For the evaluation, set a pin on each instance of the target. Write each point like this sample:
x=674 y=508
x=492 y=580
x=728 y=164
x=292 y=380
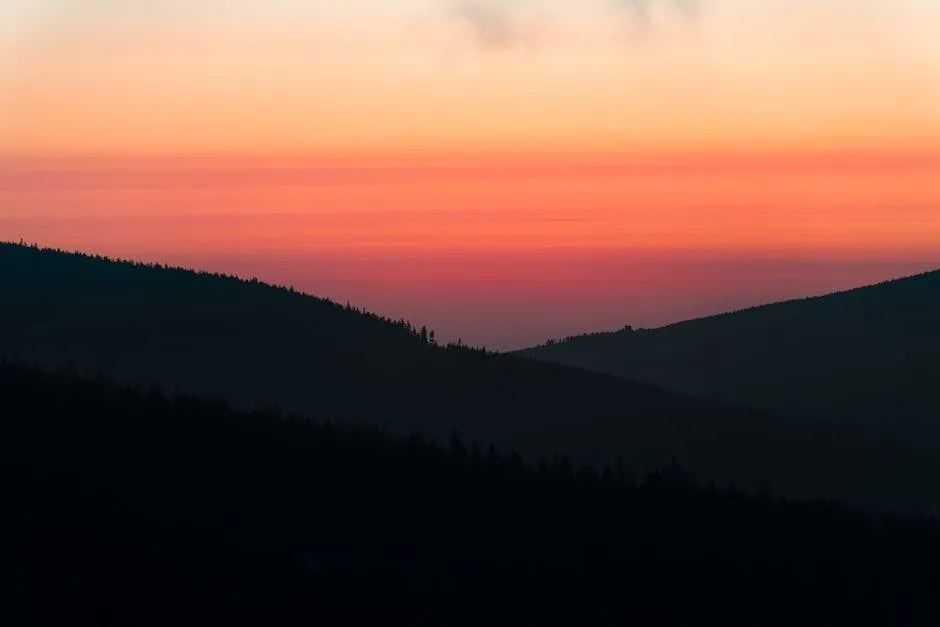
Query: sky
x=501 y=170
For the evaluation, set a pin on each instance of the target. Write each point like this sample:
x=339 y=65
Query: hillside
x=126 y=507
x=867 y=354
x=254 y=344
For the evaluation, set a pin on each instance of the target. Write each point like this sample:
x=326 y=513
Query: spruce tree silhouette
x=126 y=506
x=252 y=343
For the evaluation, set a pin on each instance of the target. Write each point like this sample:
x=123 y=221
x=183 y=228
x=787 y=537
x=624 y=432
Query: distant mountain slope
x=252 y=343
x=870 y=353
x=123 y=507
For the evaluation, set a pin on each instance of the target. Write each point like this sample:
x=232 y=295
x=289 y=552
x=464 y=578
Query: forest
x=128 y=505
x=255 y=344
x=868 y=355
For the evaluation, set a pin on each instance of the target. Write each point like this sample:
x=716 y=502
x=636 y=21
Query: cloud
x=491 y=24
x=641 y=16
x=504 y=25
x=642 y=8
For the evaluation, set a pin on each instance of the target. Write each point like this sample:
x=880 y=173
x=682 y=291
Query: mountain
x=254 y=344
x=128 y=507
x=870 y=354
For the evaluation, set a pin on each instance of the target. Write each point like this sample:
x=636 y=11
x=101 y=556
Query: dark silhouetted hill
x=869 y=354
x=255 y=344
x=127 y=507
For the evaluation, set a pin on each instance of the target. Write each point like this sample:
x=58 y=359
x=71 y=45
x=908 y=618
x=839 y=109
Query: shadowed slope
x=871 y=353
x=130 y=508
x=252 y=344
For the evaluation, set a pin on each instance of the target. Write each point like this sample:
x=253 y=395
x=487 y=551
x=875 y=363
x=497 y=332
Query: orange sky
x=489 y=146
x=836 y=202
x=144 y=76
x=498 y=250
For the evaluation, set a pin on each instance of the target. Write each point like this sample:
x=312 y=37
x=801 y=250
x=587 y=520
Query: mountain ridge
x=131 y=507
x=850 y=341
x=253 y=344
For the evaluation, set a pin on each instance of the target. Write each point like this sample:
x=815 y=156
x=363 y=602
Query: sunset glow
x=448 y=161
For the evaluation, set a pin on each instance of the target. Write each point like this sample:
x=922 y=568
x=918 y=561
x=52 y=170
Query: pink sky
x=505 y=252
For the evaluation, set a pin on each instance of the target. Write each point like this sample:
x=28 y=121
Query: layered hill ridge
x=866 y=354
x=253 y=343
x=129 y=507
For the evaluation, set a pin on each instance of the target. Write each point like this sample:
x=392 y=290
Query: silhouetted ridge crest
x=20 y=253
x=867 y=354
x=254 y=344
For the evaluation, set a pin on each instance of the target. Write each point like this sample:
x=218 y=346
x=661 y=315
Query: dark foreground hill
x=253 y=344
x=130 y=508
x=868 y=354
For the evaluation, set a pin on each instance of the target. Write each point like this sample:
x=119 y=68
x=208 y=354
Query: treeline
x=597 y=334
x=128 y=507
x=252 y=343
x=783 y=308
x=116 y=269
x=866 y=357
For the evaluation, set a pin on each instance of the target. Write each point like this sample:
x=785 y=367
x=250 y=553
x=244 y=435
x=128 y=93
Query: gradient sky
x=501 y=170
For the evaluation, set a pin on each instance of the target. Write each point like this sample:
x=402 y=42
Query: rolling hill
x=870 y=354
x=255 y=344
x=130 y=507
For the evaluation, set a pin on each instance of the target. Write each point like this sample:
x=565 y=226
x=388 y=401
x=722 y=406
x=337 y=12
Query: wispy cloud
x=643 y=7
x=640 y=15
x=501 y=25
x=491 y=24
